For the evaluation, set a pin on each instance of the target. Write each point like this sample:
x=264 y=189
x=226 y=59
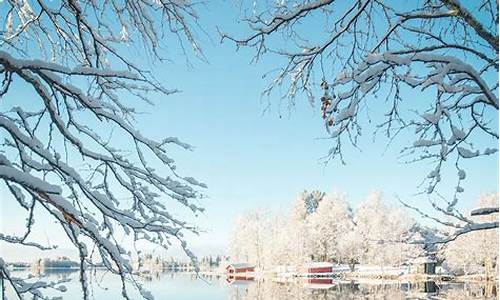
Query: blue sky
x=252 y=157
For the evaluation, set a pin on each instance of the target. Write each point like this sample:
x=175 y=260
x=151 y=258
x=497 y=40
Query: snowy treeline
x=324 y=227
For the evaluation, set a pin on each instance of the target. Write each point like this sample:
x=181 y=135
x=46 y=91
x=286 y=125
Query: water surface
x=186 y=286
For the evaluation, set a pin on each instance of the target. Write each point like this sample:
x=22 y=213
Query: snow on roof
x=318 y=286
x=319 y=265
x=240 y=265
x=423 y=259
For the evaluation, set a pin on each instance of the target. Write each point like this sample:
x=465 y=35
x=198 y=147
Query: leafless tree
x=366 y=55
x=60 y=148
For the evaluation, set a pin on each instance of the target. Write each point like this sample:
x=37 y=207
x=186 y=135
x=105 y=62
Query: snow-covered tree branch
x=62 y=147
x=428 y=69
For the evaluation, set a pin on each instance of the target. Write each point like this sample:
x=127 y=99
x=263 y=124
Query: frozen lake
x=186 y=286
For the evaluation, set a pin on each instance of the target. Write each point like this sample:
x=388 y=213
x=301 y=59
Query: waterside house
x=318 y=268
x=240 y=268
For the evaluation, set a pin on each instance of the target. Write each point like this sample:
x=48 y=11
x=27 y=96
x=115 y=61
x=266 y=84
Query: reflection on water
x=329 y=288
x=178 y=286
x=55 y=274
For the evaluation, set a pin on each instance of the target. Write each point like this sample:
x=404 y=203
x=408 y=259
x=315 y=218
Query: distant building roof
x=423 y=260
x=319 y=265
x=240 y=265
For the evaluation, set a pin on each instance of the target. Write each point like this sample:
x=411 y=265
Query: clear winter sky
x=251 y=157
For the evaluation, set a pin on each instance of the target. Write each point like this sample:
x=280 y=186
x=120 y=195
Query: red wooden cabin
x=240 y=268
x=319 y=267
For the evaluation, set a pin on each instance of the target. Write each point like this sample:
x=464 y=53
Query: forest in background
x=322 y=227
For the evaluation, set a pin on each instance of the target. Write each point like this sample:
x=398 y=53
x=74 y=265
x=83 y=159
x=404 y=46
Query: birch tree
x=250 y=238
x=302 y=209
x=60 y=148
x=426 y=69
x=278 y=250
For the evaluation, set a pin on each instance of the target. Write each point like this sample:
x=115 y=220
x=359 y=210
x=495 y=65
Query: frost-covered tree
x=238 y=241
x=427 y=69
x=382 y=231
x=327 y=227
x=306 y=204
x=69 y=142
x=250 y=238
x=350 y=248
x=278 y=244
x=475 y=252
x=300 y=242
